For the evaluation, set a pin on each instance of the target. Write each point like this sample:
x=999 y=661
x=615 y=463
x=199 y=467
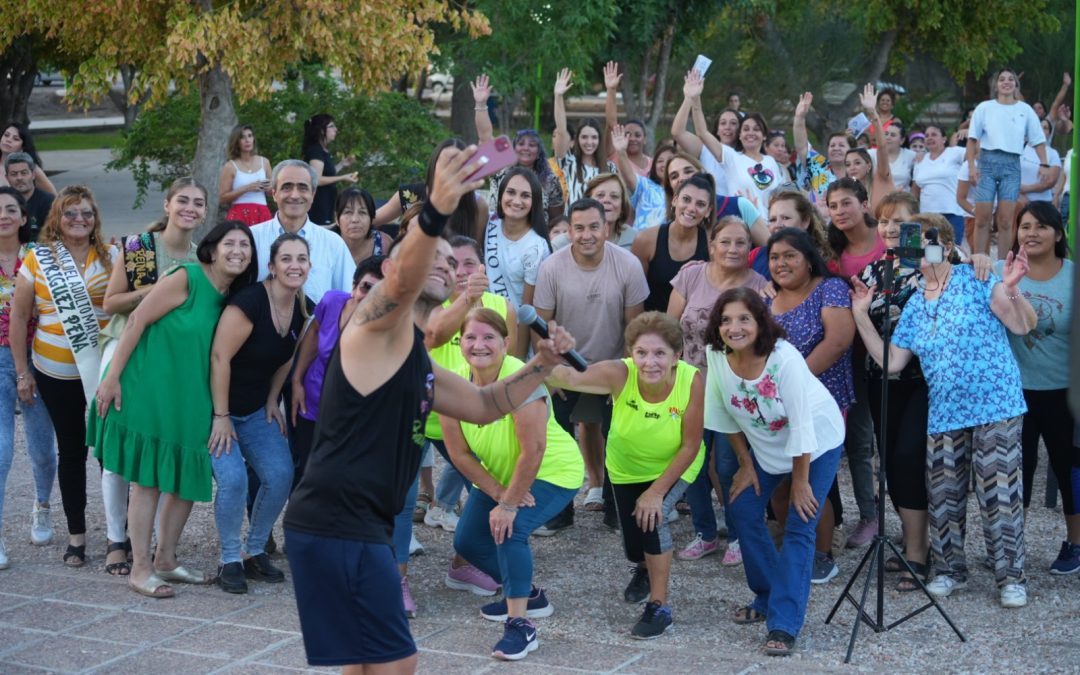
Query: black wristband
x=431 y=221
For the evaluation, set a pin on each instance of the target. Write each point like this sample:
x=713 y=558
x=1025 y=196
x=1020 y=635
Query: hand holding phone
x=494 y=155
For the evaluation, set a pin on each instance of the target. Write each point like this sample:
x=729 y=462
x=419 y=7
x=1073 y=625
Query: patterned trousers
x=993 y=451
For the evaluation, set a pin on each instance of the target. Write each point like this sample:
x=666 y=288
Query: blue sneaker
x=536 y=608
x=519 y=638
x=653 y=622
x=1068 y=561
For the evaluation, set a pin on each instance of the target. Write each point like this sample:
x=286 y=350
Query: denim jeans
x=261 y=445
x=38 y=428
x=781 y=581
x=509 y=563
x=999 y=176
x=403 y=523
x=699 y=494
x=451 y=482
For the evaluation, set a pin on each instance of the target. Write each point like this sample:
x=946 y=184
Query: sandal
x=781 y=643
x=117 y=569
x=75 y=556
x=683 y=507
x=423 y=503
x=183 y=575
x=154 y=587
x=908 y=584
x=748 y=614
x=893 y=564
x=594 y=499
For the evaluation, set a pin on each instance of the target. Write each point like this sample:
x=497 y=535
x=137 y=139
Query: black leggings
x=1048 y=416
x=66 y=403
x=905 y=457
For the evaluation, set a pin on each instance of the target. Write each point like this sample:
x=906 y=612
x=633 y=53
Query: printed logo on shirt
x=652 y=416
x=761 y=176
x=632 y=405
x=425 y=409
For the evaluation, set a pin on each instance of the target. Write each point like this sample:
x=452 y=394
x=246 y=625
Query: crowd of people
x=726 y=296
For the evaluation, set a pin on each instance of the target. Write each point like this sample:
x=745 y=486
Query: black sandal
x=786 y=641
x=118 y=569
x=747 y=615
x=908 y=584
x=75 y=556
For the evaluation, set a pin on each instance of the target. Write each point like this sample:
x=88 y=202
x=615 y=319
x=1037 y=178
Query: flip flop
x=594 y=499
x=747 y=615
x=183 y=575
x=154 y=587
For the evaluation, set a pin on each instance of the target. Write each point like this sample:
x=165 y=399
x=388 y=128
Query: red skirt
x=249 y=214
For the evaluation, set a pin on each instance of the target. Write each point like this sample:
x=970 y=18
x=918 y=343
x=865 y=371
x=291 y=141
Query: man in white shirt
x=332 y=266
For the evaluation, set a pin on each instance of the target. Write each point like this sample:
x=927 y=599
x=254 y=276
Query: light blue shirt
x=332 y=266
x=1043 y=354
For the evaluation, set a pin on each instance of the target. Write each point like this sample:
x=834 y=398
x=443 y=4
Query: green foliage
x=391 y=135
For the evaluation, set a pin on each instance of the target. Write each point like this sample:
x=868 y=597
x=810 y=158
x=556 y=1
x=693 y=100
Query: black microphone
x=527 y=316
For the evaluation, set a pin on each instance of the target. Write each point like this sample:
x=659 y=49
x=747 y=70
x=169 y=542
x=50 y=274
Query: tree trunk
x=660 y=90
x=18 y=66
x=131 y=110
x=216 y=121
x=461 y=103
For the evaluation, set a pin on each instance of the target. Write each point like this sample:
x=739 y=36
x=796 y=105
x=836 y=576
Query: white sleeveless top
x=243 y=178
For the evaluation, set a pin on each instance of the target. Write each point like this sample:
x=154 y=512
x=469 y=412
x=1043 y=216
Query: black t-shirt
x=322 y=206
x=37 y=209
x=366 y=452
x=254 y=365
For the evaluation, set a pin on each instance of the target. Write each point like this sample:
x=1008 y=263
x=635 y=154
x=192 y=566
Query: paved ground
x=55 y=619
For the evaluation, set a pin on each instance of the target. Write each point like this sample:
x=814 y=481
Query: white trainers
x=41 y=529
x=440 y=517
x=415 y=547
x=1013 y=595
x=4 y=559
x=943 y=585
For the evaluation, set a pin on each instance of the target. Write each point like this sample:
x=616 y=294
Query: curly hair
x=51 y=234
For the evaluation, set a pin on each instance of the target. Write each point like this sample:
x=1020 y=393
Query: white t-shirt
x=901 y=167
x=937 y=180
x=998 y=126
x=1066 y=165
x=713 y=167
x=785 y=413
x=511 y=264
x=743 y=174
x=1029 y=171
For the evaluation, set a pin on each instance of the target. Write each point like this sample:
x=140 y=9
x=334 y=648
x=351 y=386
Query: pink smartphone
x=496 y=154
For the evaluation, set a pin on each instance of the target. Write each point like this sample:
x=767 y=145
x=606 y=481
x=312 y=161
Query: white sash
x=76 y=311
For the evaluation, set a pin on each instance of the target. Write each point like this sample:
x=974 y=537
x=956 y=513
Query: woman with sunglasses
x=530 y=155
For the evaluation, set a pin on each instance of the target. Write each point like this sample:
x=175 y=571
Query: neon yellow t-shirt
x=497 y=448
x=644 y=436
x=449 y=356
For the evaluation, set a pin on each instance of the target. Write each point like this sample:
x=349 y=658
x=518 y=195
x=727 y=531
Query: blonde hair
x=51 y=234
x=624 y=203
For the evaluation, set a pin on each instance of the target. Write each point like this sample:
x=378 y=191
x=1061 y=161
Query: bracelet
x=508 y=507
x=1045 y=166
x=1013 y=297
x=480 y=107
x=431 y=221
x=20 y=378
x=224 y=414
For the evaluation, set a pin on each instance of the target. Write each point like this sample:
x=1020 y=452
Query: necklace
x=281 y=326
x=936 y=302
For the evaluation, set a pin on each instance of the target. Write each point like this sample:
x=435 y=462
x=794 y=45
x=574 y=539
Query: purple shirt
x=328 y=314
x=805 y=331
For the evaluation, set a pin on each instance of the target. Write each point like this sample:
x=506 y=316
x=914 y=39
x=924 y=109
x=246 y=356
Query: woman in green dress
x=167 y=342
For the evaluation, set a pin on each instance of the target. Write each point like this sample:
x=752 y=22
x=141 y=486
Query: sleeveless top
x=243 y=178
x=365 y=453
x=644 y=436
x=662 y=269
x=449 y=355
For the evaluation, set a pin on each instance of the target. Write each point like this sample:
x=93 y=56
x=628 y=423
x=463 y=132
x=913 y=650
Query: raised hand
x=450 y=182
x=563 y=82
x=802 y=108
x=1064 y=113
x=693 y=85
x=481 y=90
x=861 y=295
x=560 y=342
x=868 y=99
x=1016 y=268
x=1066 y=79
x=619 y=139
x=612 y=77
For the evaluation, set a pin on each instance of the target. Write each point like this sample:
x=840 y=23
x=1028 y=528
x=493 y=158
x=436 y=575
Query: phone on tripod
x=910 y=245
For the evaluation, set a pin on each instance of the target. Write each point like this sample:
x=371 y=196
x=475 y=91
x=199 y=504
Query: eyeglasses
x=72 y=215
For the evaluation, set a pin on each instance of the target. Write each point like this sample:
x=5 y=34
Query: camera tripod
x=874 y=558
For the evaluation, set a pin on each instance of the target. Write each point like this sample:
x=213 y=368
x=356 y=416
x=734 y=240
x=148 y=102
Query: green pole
x=536 y=99
x=1075 y=169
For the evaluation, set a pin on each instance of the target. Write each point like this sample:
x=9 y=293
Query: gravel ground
x=585 y=572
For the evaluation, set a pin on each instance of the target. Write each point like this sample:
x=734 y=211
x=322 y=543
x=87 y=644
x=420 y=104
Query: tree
x=18 y=66
x=224 y=48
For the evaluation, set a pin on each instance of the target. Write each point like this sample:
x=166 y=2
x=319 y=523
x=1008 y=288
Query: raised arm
x=560 y=138
x=481 y=91
x=693 y=85
x=612 y=78
x=445 y=322
x=875 y=346
x=1007 y=302
x=1059 y=100
x=882 y=178
x=622 y=160
x=802 y=109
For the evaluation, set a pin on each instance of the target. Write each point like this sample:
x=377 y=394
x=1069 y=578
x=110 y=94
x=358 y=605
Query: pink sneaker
x=698 y=549
x=407 y=599
x=733 y=554
x=468 y=578
x=862 y=534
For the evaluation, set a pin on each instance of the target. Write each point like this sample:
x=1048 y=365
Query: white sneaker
x=4 y=559
x=1013 y=595
x=41 y=529
x=943 y=585
x=415 y=547
x=440 y=517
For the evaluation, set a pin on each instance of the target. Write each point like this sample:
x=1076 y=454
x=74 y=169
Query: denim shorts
x=999 y=176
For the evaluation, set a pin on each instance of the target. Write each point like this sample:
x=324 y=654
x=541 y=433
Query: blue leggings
x=509 y=563
x=699 y=494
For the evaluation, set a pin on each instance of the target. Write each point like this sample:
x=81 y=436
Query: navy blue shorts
x=348 y=594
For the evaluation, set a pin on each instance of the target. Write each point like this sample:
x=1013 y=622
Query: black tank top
x=366 y=452
x=662 y=269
